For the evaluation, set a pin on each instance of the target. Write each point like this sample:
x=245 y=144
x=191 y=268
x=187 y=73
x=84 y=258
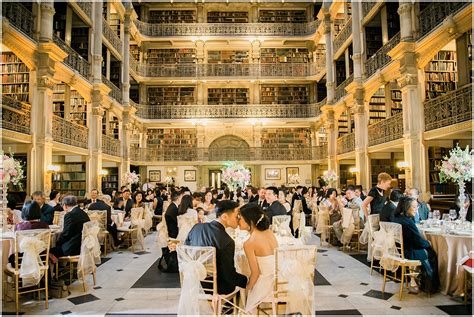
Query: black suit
x=213 y=234
x=275 y=209
x=171 y=217
x=253 y=199
x=127 y=206
x=89 y=201
x=69 y=242
x=388 y=212
x=263 y=204
x=47 y=214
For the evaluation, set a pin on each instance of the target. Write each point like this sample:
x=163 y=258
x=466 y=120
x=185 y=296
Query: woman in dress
x=207 y=204
x=187 y=217
x=260 y=252
x=282 y=199
x=334 y=206
x=138 y=199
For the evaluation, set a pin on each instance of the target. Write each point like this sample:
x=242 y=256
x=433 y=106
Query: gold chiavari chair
x=374 y=225
x=101 y=217
x=57 y=216
x=324 y=227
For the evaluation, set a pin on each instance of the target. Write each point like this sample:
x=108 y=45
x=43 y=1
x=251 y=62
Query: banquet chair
x=281 y=223
x=304 y=231
x=90 y=249
x=101 y=217
x=399 y=260
x=192 y=259
x=295 y=263
x=351 y=228
x=314 y=217
x=57 y=216
x=135 y=232
x=148 y=218
x=324 y=227
x=374 y=225
x=467 y=282
x=16 y=216
x=39 y=240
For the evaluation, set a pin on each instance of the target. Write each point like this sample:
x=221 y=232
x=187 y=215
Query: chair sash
x=385 y=249
x=30 y=268
x=281 y=225
x=162 y=233
x=90 y=249
x=17 y=216
x=148 y=217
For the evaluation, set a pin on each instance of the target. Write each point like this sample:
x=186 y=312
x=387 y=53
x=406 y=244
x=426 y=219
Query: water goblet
x=436 y=215
x=453 y=214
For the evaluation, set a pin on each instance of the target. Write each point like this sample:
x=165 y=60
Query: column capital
x=404 y=8
x=407 y=79
x=98 y=111
x=45 y=82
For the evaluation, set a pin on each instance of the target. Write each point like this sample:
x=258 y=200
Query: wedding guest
x=158 y=203
x=11 y=209
x=69 y=242
x=261 y=198
x=215 y=195
x=47 y=212
x=207 y=204
x=334 y=205
x=252 y=195
x=376 y=198
x=423 y=208
x=197 y=199
x=94 y=197
x=127 y=201
x=275 y=208
x=416 y=247
x=351 y=201
x=187 y=217
x=171 y=217
x=213 y=234
x=282 y=199
x=138 y=200
x=388 y=211
x=54 y=197
x=150 y=196
x=359 y=192
x=104 y=204
x=299 y=195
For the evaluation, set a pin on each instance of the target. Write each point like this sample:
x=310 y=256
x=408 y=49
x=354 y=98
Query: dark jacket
x=254 y=198
x=171 y=217
x=388 y=212
x=128 y=206
x=213 y=234
x=414 y=244
x=263 y=205
x=47 y=214
x=275 y=209
x=70 y=239
x=89 y=201
x=423 y=210
x=100 y=205
x=159 y=206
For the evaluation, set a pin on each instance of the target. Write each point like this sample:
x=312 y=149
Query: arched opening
x=229 y=148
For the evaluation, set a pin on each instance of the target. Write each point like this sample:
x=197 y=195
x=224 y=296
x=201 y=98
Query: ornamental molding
x=47 y=8
x=405 y=8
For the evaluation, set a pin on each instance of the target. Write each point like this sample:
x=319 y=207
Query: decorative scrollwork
x=111 y=36
x=20 y=17
x=386 y=130
x=340 y=90
x=86 y=7
x=381 y=58
x=343 y=35
x=70 y=133
x=115 y=91
x=435 y=13
x=73 y=59
x=346 y=143
x=110 y=145
x=16 y=116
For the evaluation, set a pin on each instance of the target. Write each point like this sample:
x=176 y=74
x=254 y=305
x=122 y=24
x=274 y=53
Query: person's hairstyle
x=225 y=206
x=126 y=190
x=254 y=216
x=204 y=196
x=186 y=203
x=53 y=194
x=359 y=187
x=37 y=193
x=123 y=188
x=404 y=205
x=197 y=195
x=254 y=191
x=395 y=195
x=351 y=188
x=11 y=203
x=383 y=177
x=31 y=211
x=175 y=195
x=214 y=192
x=417 y=192
x=330 y=191
x=136 y=194
x=285 y=192
x=227 y=193
x=106 y=198
x=299 y=187
x=95 y=189
x=273 y=189
x=69 y=200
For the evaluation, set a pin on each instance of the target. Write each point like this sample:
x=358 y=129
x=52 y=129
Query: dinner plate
x=463 y=232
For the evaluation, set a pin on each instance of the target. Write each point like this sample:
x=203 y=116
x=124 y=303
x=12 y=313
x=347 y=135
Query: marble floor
x=130 y=284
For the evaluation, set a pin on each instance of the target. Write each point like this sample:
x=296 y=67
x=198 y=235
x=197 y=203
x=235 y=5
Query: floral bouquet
x=294 y=179
x=169 y=180
x=235 y=175
x=329 y=177
x=11 y=171
x=131 y=178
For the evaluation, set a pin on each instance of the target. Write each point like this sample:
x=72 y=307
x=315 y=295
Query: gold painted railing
x=86 y=7
x=380 y=58
x=198 y=71
x=340 y=90
x=435 y=13
x=367 y=6
x=110 y=145
x=230 y=29
x=226 y=111
x=16 y=116
x=20 y=17
x=222 y=154
x=73 y=59
x=346 y=143
x=111 y=36
x=115 y=91
x=386 y=130
x=343 y=35
x=70 y=133
x=320 y=152
x=451 y=108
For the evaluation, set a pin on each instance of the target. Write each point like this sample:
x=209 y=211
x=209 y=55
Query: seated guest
x=138 y=200
x=171 y=217
x=11 y=209
x=94 y=197
x=127 y=202
x=158 y=204
x=54 y=200
x=299 y=195
x=197 y=199
x=416 y=247
x=360 y=192
x=353 y=202
x=69 y=242
x=207 y=204
x=261 y=198
x=333 y=204
x=275 y=208
x=282 y=199
x=104 y=204
x=187 y=217
x=47 y=212
x=423 y=208
x=213 y=234
x=388 y=210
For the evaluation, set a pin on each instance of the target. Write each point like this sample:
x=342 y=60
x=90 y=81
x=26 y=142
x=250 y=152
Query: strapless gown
x=262 y=290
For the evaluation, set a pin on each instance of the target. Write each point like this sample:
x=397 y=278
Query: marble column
x=126 y=133
x=331 y=131
x=361 y=140
x=330 y=84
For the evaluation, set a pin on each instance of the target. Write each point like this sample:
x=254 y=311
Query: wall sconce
x=354 y=170
x=403 y=165
x=53 y=168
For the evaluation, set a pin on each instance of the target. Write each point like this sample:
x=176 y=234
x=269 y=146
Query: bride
x=259 y=250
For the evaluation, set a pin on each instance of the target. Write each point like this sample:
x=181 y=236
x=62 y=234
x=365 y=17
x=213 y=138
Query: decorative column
x=126 y=133
x=330 y=84
x=255 y=51
x=126 y=55
x=200 y=51
x=331 y=131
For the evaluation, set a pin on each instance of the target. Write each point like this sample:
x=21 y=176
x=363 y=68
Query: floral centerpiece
x=131 y=178
x=11 y=171
x=169 y=180
x=294 y=179
x=329 y=177
x=458 y=169
x=235 y=175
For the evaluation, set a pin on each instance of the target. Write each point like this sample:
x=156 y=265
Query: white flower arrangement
x=131 y=178
x=235 y=175
x=329 y=177
x=457 y=167
x=169 y=180
x=11 y=170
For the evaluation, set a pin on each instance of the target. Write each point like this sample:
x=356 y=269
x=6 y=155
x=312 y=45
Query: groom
x=213 y=234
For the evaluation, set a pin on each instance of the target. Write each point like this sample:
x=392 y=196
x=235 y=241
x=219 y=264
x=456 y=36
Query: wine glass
x=453 y=214
x=436 y=215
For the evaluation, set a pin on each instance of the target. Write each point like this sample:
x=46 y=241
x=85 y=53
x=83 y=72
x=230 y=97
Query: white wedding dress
x=262 y=290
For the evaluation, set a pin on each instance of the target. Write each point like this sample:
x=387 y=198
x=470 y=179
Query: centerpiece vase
x=462 y=200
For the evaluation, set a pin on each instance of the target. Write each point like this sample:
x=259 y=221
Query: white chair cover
x=148 y=216
x=367 y=235
x=136 y=218
x=304 y=231
x=296 y=213
x=17 y=216
x=192 y=261
x=281 y=225
x=384 y=247
x=101 y=217
x=31 y=243
x=90 y=249
x=162 y=233
x=296 y=265
x=185 y=223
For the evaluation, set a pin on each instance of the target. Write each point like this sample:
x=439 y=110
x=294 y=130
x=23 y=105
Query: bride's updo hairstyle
x=254 y=216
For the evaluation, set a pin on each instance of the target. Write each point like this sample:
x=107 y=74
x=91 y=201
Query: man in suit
x=275 y=208
x=104 y=204
x=213 y=234
x=252 y=195
x=388 y=211
x=69 y=242
x=127 y=201
x=298 y=195
x=47 y=211
x=261 y=198
x=171 y=217
x=94 y=197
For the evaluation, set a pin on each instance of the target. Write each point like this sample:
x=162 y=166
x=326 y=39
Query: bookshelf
x=114 y=127
x=59 y=97
x=285 y=55
x=340 y=70
x=339 y=23
x=116 y=73
x=135 y=51
x=469 y=53
x=78 y=108
x=172 y=56
x=15 y=77
x=110 y=181
x=170 y=95
x=441 y=74
x=70 y=179
x=321 y=90
x=435 y=157
x=284 y=95
x=161 y=138
x=114 y=23
x=343 y=124
x=134 y=92
x=285 y=137
x=393 y=19
x=227 y=17
x=396 y=99
x=59 y=19
x=228 y=96
x=227 y=57
x=320 y=53
x=373 y=36
x=377 y=109
x=282 y=16
x=172 y=16
x=80 y=41
x=383 y=165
